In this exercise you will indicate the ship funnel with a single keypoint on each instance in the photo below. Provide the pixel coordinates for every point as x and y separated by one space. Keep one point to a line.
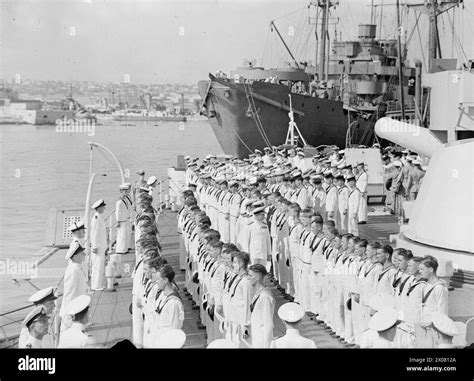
416 138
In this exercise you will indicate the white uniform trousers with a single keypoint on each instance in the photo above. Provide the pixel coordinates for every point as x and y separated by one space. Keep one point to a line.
343 226
315 292
348 328
353 226
137 321
305 286
362 213
98 270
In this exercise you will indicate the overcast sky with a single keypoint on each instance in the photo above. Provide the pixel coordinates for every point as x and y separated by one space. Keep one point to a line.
165 41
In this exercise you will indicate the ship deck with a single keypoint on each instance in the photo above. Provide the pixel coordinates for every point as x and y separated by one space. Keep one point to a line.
111 320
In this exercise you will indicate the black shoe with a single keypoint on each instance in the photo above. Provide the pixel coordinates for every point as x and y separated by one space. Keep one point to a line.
333 334
201 326
362 223
185 290
329 329
116 284
118 276
319 322
195 307
347 345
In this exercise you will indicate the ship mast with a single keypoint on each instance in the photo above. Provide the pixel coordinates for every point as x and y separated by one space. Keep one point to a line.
434 8
325 5
272 25
400 63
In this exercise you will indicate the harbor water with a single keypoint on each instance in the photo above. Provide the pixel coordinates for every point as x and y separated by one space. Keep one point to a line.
42 168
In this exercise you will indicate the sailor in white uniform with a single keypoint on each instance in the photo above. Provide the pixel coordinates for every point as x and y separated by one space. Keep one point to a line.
353 205
75 281
78 232
292 314
43 298
122 216
362 180
261 308
259 238
99 246
169 307
74 336
36 327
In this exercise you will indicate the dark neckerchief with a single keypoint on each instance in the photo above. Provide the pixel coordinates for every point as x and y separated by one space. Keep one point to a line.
384 272
402 285
167 299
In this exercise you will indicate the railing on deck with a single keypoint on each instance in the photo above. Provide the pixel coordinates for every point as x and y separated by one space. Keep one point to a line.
163 201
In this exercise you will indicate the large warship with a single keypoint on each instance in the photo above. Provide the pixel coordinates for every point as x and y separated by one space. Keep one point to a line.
335 102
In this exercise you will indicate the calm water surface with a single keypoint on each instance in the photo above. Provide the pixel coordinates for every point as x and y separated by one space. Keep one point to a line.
41 169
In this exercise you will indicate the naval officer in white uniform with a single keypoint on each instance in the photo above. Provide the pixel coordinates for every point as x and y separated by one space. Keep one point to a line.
43 298
99 246
122 216
292 314
36 326
75 280
74 336
259 238
362 180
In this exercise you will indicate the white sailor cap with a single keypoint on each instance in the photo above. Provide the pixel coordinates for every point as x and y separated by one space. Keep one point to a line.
406 151
409 158
98 204
78 304
76 226
43 295
187 157
35 313
267 149
253 181
342 152
258 210
222 344
416 162
233 183
384 319
360 163
257 151
170 338
301 153
291 312
444 324
74 249
125 186
145 189
151 180
397 163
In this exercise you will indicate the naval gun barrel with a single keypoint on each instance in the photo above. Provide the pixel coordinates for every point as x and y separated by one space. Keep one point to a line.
415 138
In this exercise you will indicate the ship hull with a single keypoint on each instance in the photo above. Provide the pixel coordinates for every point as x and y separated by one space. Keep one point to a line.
320 121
